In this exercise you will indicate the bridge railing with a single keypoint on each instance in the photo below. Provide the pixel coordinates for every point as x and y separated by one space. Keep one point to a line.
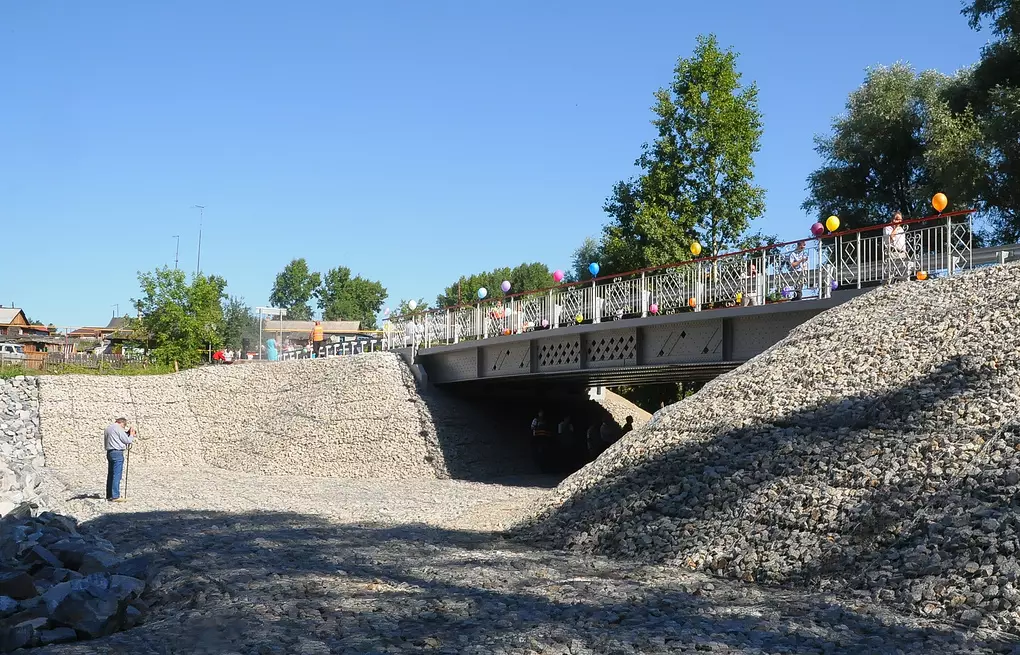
803 269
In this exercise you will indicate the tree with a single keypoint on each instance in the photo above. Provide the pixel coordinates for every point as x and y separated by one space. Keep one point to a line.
403 309
994 95
342 297
240 326
588 252
293 288
179 321
525 277
898 144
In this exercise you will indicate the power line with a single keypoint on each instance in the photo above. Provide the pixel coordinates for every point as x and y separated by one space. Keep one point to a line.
201 215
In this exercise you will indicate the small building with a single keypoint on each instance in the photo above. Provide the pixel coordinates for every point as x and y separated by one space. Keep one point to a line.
15 328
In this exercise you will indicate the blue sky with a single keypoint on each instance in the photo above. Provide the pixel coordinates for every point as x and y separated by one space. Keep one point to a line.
411 141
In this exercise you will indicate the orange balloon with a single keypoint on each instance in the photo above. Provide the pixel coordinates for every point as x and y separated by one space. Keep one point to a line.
939 202
692 302
922 275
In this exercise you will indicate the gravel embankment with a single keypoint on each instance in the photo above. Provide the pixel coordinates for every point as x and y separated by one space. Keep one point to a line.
347 417
876 448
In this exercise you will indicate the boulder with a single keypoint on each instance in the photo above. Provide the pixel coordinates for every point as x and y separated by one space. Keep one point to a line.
18 585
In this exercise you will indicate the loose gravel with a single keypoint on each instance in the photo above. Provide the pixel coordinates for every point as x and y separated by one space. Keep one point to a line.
876 448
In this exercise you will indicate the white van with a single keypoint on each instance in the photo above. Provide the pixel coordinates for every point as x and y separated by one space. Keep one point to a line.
10 352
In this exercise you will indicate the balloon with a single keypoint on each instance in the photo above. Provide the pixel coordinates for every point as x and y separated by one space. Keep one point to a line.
579 318
835 285
505 286
593 268
740 297
654 308
482 293
832 223
386 312
818 229
558 275
692 302
545 322
695 248
787 292
939 202
922 275
412 305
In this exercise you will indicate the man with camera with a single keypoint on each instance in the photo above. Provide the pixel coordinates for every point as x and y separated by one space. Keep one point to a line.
117 438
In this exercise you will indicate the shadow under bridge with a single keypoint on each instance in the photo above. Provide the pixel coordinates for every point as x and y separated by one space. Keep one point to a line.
685 347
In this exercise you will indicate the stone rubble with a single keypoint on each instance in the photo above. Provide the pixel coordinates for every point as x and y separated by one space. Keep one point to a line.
21 453
877 448
58 584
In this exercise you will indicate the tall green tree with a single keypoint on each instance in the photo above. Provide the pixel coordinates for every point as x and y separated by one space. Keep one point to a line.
697 180
293 288
898 144
525 277
179 321
240 326
590 251
342 297
994 95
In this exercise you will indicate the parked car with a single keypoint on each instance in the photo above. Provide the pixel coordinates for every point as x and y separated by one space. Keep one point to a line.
12 352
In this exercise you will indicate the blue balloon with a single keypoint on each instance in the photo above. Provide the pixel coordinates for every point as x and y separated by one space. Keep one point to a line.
482 293
835 285
594 268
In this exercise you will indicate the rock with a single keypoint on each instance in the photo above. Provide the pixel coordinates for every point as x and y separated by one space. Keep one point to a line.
95 561
88 614
18 585
126 588
7 606
43 555
56 636
15 637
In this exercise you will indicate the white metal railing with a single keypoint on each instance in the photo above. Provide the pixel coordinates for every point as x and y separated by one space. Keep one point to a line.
807 269
338 349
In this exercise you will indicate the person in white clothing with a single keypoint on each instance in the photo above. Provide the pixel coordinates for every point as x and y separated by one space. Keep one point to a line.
894 237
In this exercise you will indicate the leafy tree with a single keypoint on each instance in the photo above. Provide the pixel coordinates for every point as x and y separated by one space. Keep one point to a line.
179 321
589 251
697 178
898 144
240 326
994 95
293 288
342 297
526 277
420 307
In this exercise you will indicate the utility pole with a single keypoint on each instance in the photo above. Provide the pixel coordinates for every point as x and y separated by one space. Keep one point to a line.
116 310
177 251
201 215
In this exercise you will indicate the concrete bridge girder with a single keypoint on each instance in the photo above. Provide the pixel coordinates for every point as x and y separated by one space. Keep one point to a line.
694 345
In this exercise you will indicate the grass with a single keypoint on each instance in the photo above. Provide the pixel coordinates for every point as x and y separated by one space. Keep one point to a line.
7 372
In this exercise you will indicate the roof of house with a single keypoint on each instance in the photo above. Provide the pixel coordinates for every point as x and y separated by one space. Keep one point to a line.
8 314
304 327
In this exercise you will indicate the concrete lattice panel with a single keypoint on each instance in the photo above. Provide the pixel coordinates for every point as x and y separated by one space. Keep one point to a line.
682 343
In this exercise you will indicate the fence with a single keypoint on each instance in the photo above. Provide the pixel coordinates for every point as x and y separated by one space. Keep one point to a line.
43 361
338 349
805 269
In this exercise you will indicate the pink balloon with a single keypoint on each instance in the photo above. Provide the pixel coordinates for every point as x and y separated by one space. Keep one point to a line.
545 323
558 276
654 308
818 229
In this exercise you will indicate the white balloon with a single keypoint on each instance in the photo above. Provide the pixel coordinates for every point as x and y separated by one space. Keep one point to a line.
412 305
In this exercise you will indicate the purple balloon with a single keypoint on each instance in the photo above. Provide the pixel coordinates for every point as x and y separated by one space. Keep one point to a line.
818 229
835 285
505 286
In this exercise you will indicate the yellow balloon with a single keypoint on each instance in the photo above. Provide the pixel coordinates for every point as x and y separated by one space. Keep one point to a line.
939 202
832 223
695 248
579 318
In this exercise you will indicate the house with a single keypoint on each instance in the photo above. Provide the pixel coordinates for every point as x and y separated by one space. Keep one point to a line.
14 328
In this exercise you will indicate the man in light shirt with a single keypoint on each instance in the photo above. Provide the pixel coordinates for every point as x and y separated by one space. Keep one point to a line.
117 437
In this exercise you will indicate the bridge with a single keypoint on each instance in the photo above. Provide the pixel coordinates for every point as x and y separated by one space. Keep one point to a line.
689 321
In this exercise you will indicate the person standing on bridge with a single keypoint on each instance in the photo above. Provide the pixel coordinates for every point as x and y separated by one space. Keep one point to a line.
895 238
116 438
